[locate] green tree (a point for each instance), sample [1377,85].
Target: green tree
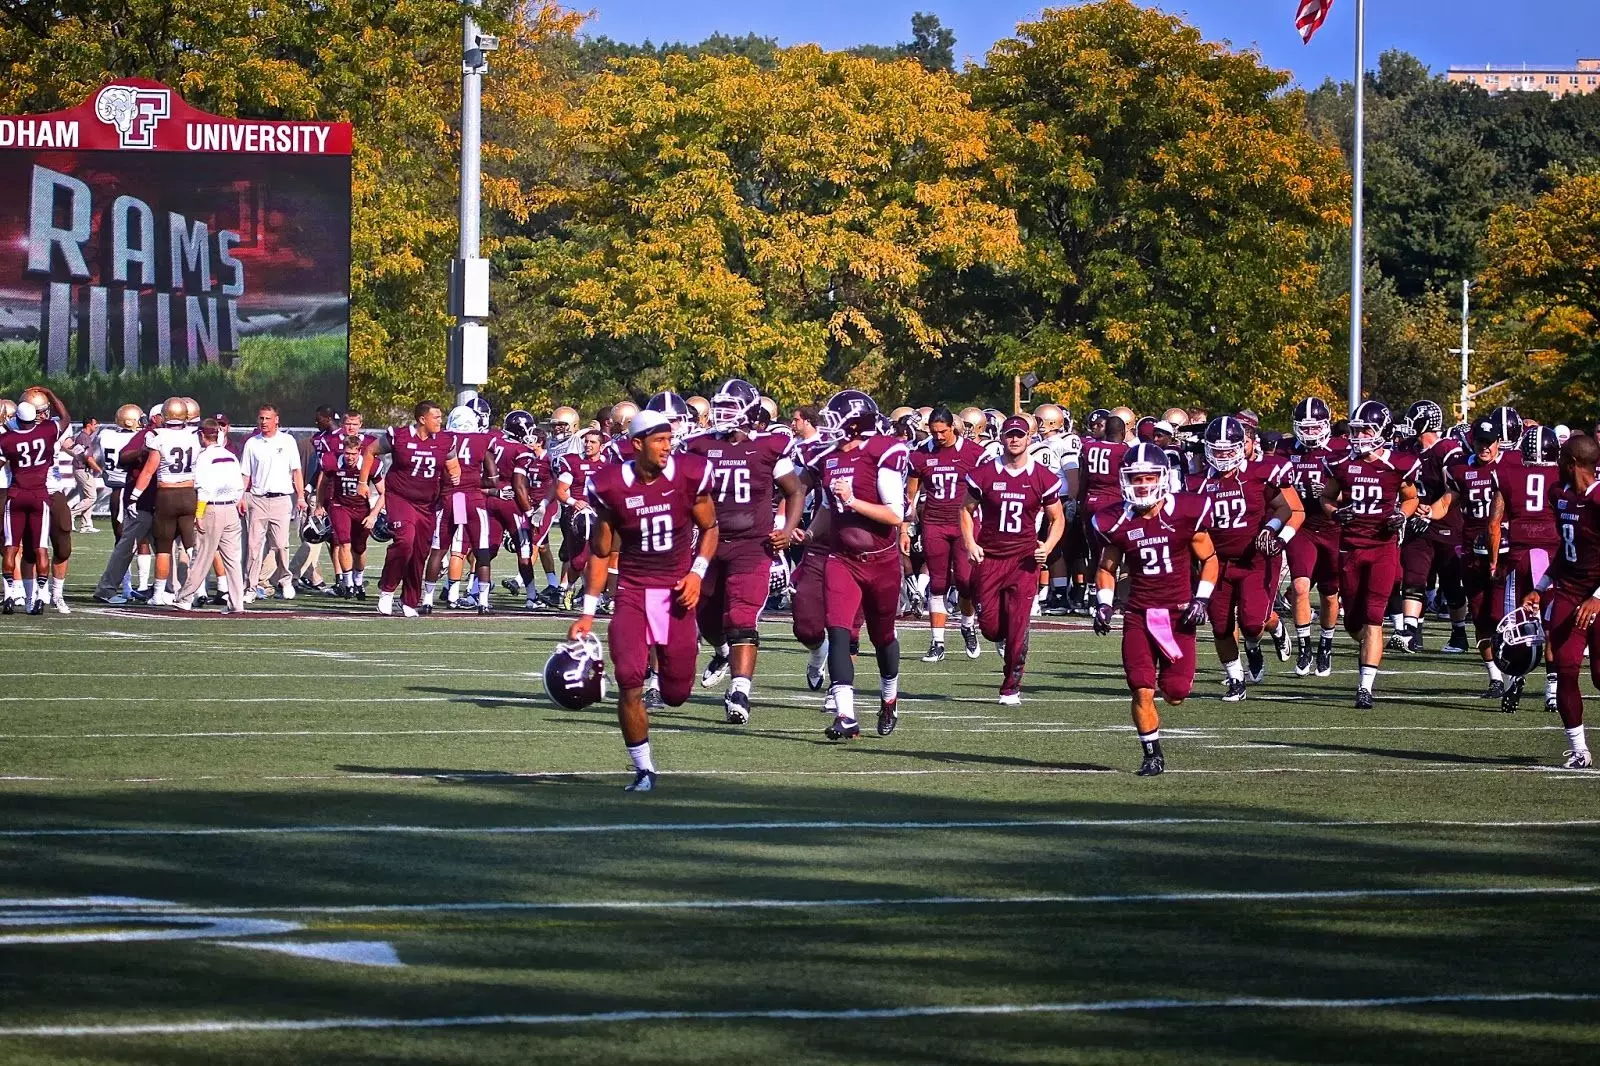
[1171,201]
[932,44]
[712,218]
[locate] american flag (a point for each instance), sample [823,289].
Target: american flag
[1311,17]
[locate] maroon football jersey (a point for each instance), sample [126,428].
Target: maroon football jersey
[1474,486]
[1160,561]
[576,471]
[619,450]
[1529,492]
[742,476]
[1009,504]
[1433,483]
[1576,568]
[1308,466]
[508,456]
[346,483]
[417,469]
[1372,489]
[655,520]
[469,449]
[1238,503]
[29,452]
[540,472]
[1100,472]
[853,534]
[941,474]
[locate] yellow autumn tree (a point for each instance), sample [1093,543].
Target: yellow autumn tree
[707,218]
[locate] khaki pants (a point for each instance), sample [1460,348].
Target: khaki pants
[219,530]
[122,555]
[307,562]
[269,529]
[88,494]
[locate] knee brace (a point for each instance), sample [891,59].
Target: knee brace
[854,642]
[736,637]
[484,556]
[1415,593]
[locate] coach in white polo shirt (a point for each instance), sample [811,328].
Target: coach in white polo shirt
[274,489]
[219,485]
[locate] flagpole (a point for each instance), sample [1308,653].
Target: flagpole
[1357,214]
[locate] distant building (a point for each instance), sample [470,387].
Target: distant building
[1579,79]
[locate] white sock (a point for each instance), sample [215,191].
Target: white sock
[740,684]
[1549,686]
[968,621]
[452,592]
[1061,583]
[1303,632]
[550,581]
[483,595]
[361,577]
[1234,670]
[938,634]
[819,656]
[1494,672]
[640,754]
[1369,677]
[429,589]
[891,688]
[30,591]
[56,585]
[142,562]
[1576,739]
[1329,634]
[723,650]
[652,682]
[1398,621]
[11,588]
[844,702]
[922,585]
[385,601]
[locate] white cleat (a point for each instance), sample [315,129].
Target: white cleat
[60,605]
[286,589]
[1011,699]
[408,612]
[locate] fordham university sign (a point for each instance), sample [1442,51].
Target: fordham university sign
[137,232]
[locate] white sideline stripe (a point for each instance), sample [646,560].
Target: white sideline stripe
[281,1025]
[470,697]
[148,910]
[734,827]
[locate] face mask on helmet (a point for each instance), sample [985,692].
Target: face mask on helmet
[1144,477]
[731,406]
[1519,642]
[575,674]
[462,420]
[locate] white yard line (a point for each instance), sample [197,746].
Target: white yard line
[786,1014]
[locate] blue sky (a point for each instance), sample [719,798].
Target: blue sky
[1441,32]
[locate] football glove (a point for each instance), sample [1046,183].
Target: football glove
[1419,523]
[1267,543]
[1313,489]
[1102,619]
[1396,521]
[1197,611]
[1345,515]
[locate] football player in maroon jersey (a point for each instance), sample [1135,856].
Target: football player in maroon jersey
[1570,591]
[863,486]
[28,449]
[1432,546]
[649,511]
[351,516]
[1163,536]
[1010,493]
[1314,552]
[937,481]
[415,478]
[1095,483]
[464,528]
[1372,493]
[745,468]
[1254,514]
[1471,480]
[1523,536]
[572,472]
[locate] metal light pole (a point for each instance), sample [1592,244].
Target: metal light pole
[1465,351]
[469,274]
[1357,216]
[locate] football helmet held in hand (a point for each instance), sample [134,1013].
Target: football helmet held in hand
[1519,642]
[575,674]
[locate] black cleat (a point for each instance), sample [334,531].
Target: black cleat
[1255,664]
[888,716]
[1397,642]
[1414,642]
[1280,641]
[484,608]
[1363,699]
[653,700]
[1512,697]
[361,592]
[736,708]
[1304,659]
[426,608]
[1154,765]
[37,608]
[643,781]
[842,729]
[8,607]
[969,637]
[1457,644]
[1234,692]
[1495,691]
[1325,659]
[935,652]
[716,670]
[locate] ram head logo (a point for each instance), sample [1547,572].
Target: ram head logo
[134,112]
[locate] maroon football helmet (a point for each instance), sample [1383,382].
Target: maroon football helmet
[849,413]
[575,674]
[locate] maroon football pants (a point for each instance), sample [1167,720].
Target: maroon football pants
[1566,643]
[413,527]
[646,619]
[1241,598]
[948,564]
[734,592]
[1367,577]
[1158,653]
[1314,556]
[811,601]
[1007,586]
[867,586]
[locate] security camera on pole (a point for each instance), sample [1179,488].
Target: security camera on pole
[469,275]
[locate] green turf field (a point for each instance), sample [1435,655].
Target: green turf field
[187,800]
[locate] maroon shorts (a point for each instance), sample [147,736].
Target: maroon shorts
[1479,588]
[1423,557]
[810,600]
[1156,656]
[24,520]
[504,517]
[347,528]
[1314,556]
[864,585]
[947,561]
[1242,599]
[464,525]
[403,564]
[734,593]
[1007,586]
[651,618]
[1520,571]
[1367,577]
[1566,644]
[538,536]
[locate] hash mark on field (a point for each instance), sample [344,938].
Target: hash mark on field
[786,1014]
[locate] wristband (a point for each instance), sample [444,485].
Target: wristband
[1286,534]
[1204,589]
[591,604]
[1105,597]
[1275,524]
[701,565]
[133,497]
